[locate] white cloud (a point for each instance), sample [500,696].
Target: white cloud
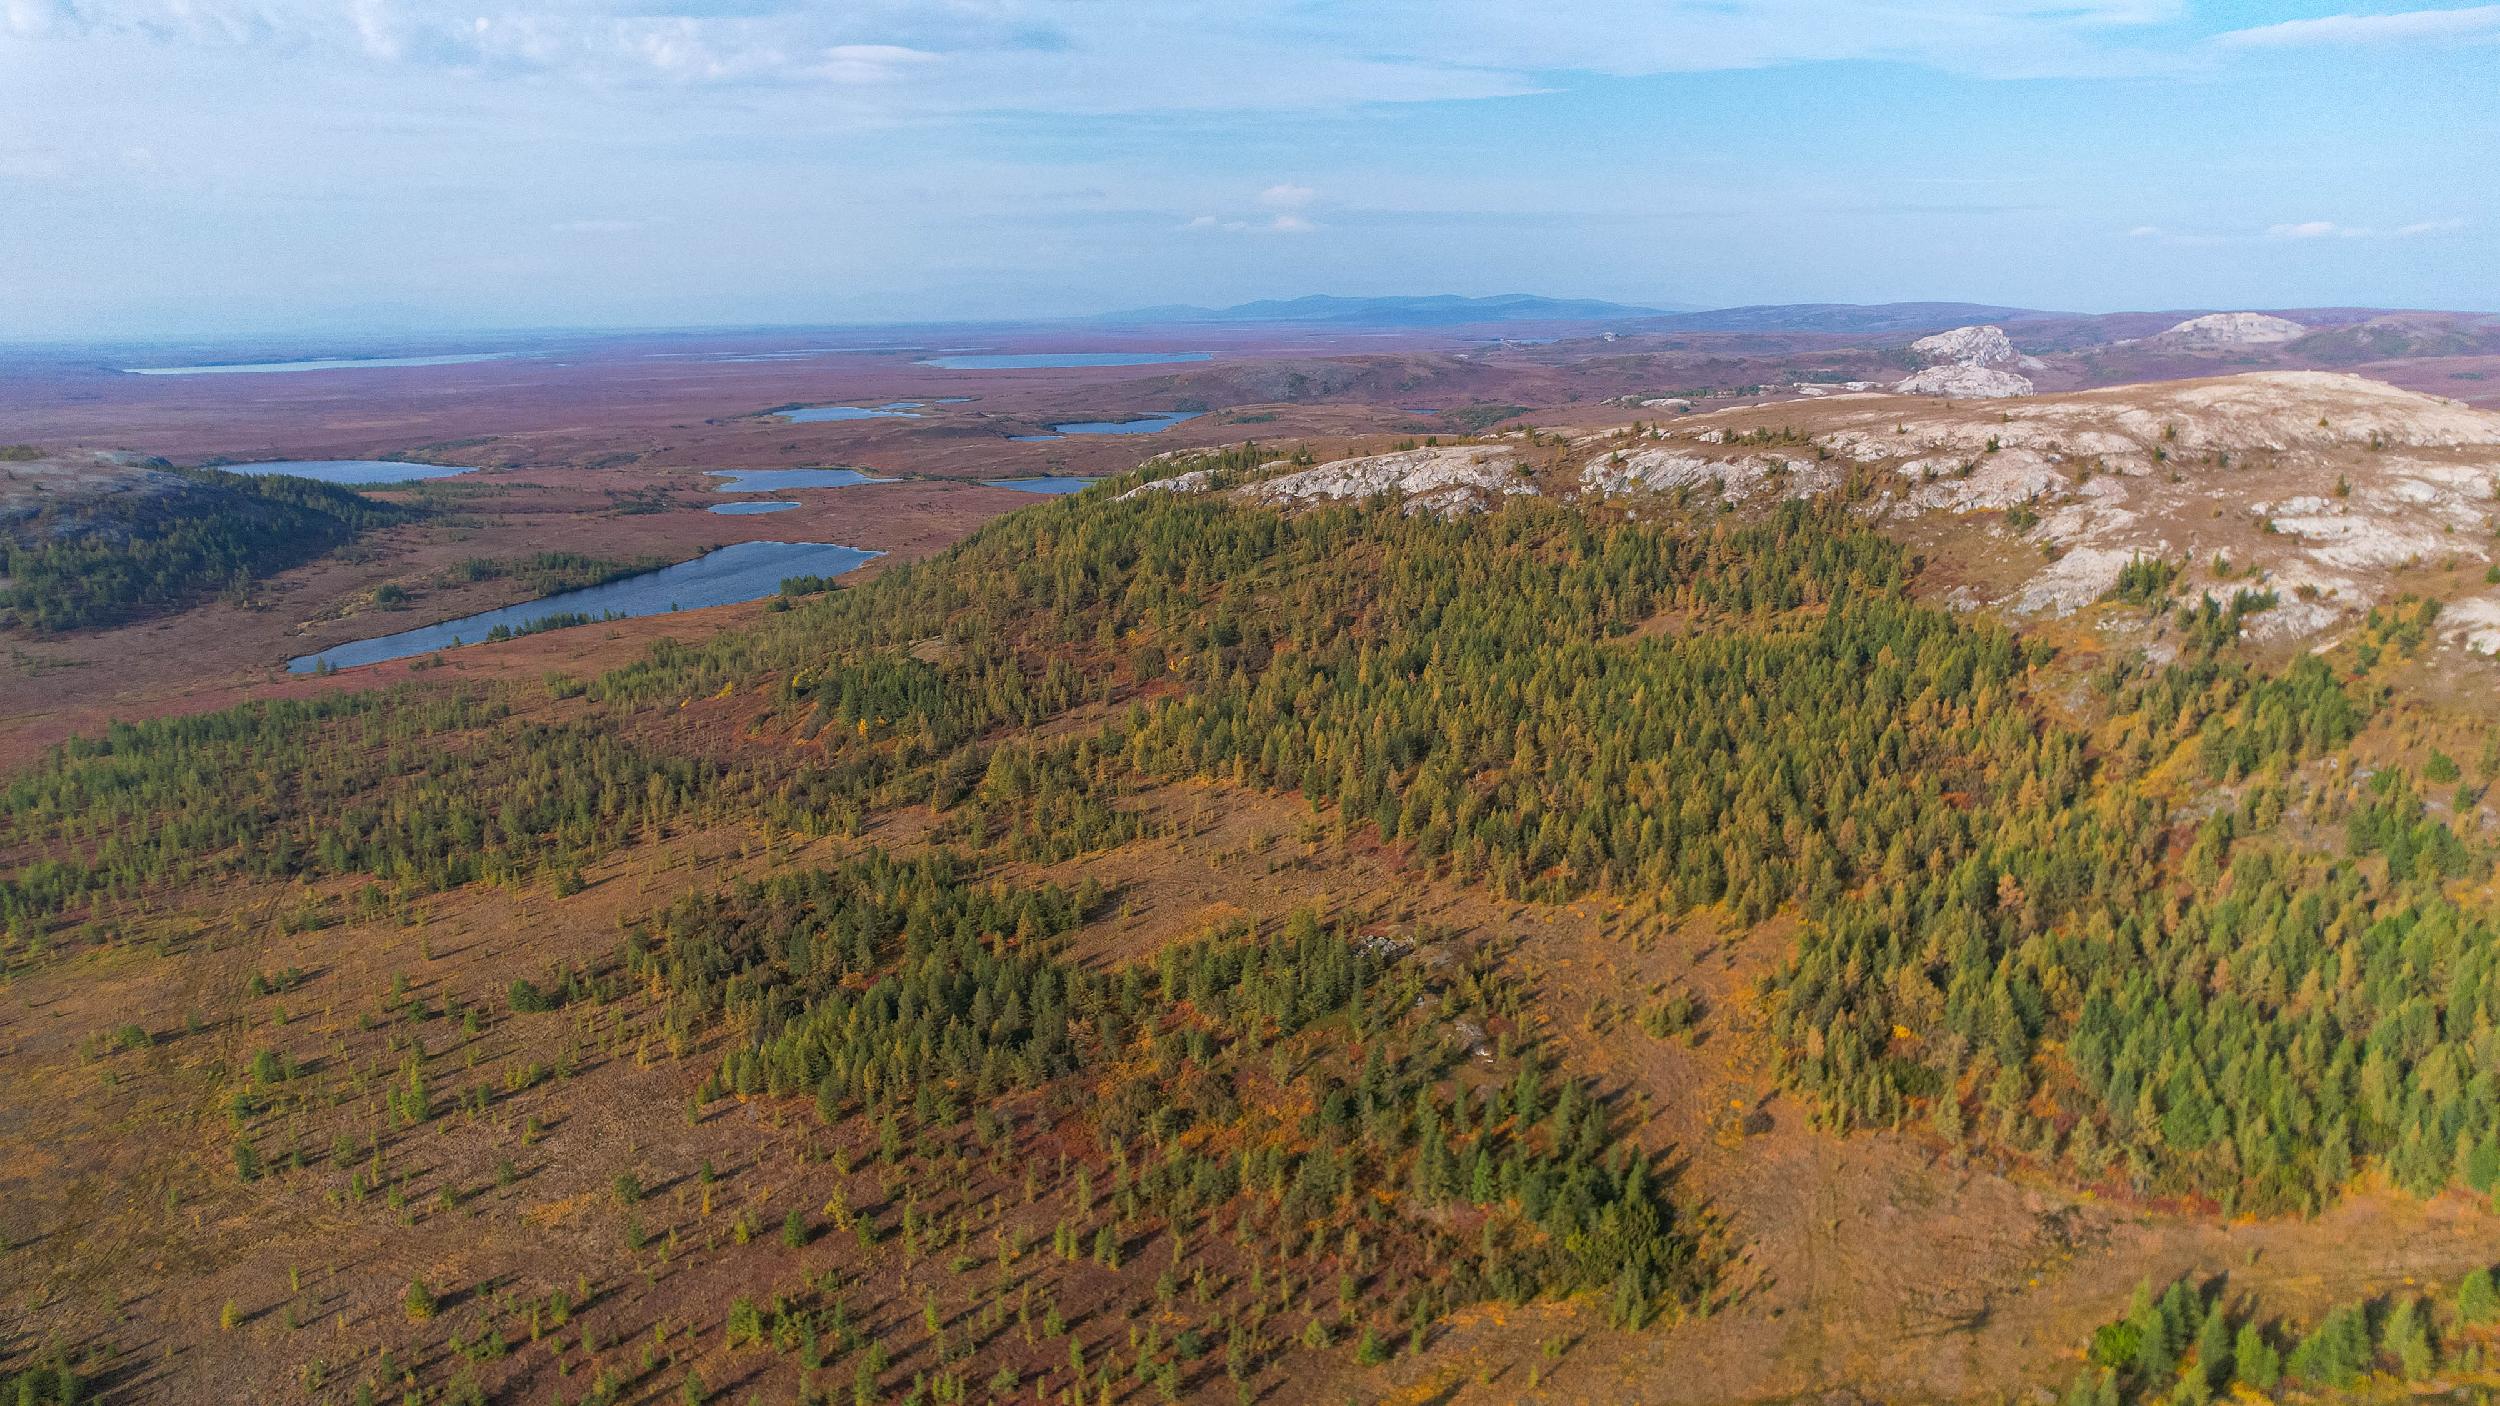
[2328,229]
[2294,231]
[2471,22]
[1132,55]
[1281,224]
[872,63]
[1289,201]
[29,19]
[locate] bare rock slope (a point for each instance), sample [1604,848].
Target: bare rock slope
[2329,493]
[1968,346]
[1966,383]
[2320,494]
[1972,363]
[1443,479]
[2232,329]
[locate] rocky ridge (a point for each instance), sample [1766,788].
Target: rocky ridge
[2322,494]
[1971,363]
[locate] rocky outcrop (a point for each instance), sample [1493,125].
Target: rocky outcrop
[2325,493]
[1447,479]
[2328,493]
[2073,581]
[1194,481]
[1666,470]
[2473,623]
[1961,382]
[1971,363]
[1967,346]
[2230,329]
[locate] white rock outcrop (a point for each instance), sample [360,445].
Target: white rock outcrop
[2073,581]
[1194,481]
[2322,489]
[2473,623]
[1665,470]
[1970,363]
[1445,479]
[1967,346]
[1966,382]
[2232,329]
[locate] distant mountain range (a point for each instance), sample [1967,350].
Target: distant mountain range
[1451,310]
[1847,318]
[1435,310]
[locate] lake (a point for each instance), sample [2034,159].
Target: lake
[1024,361]
[782,480]
[1052,483]
[741,572]
[1148,424]
[340,363]
[357,471]
[813,414]
[748,509]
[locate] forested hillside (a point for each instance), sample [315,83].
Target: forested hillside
[160,538]
[2185,931]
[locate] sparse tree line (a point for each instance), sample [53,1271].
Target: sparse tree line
[931,1009]
[2190,1343]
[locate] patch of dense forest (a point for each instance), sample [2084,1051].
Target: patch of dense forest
[548,573]
[96,561]
[346,784]
[2192,1343]
[2165,934]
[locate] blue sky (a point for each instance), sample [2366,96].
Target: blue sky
[213,166]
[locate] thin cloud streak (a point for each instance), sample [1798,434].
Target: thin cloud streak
[1116,57]
[2404,27]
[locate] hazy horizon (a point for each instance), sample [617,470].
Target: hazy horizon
[208,168]
[344,336]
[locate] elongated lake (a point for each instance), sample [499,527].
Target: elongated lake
[783,480]
[1048,483]
[1143,424]
[741,572]
[358,471]
[1027,361]
[336,363]
[817,414]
